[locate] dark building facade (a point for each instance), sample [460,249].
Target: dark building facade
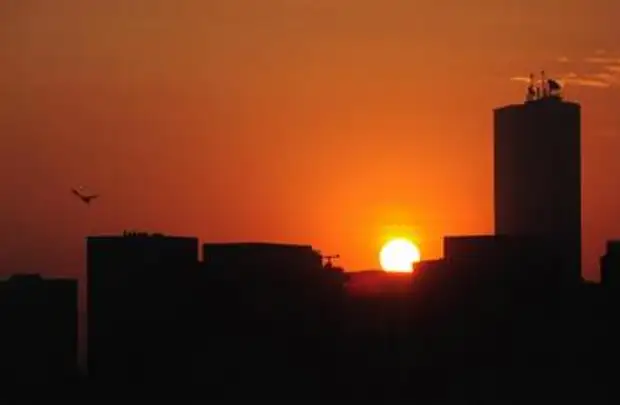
[514,261]
[135,282]
[38,342]
[285,299]
[537,174]
[269,277]
[610,265]
[262,258]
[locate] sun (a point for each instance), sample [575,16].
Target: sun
[398,255]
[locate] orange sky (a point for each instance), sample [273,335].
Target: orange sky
[323,122]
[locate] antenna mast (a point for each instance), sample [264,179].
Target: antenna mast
[531,89]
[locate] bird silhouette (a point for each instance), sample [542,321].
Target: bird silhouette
[85,198]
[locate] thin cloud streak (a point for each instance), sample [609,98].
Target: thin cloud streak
[610,73]
[571,79]
[610,78]
[588,80]
[585,82]
[603,71]
[603,60]
[613,68]
[522,79]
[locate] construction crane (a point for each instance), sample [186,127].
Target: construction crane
[329,264]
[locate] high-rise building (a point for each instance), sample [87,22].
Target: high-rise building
[610,265]
[134,282]
[38,342]
[537,170]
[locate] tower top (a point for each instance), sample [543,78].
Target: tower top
[543,89]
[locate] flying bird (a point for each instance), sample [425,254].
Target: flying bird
[86,198]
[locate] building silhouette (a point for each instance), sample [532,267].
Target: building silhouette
[537,173]
[270,312]
[38,338]
[610,266]
[260,256]
[136,289]
[510,263]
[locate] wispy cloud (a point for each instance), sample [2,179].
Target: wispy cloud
[601,70]
[603,60]
[613,68]
[608,68]
[572,79]
[585,81]
[523,79]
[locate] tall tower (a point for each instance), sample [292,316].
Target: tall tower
[537,169]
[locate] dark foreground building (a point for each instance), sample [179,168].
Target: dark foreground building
[136,286]
[537,153]
[38,342]
[610,266]
[261,256]
[269,320]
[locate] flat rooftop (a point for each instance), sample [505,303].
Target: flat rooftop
[274,245]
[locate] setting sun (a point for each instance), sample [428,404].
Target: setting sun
[398,255]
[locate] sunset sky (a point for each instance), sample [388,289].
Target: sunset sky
[330,122]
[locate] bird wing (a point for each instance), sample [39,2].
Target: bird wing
[74,191]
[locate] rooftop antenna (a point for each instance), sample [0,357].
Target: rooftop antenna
[531,89]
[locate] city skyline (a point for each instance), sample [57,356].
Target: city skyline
[199,195]
[369,122]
